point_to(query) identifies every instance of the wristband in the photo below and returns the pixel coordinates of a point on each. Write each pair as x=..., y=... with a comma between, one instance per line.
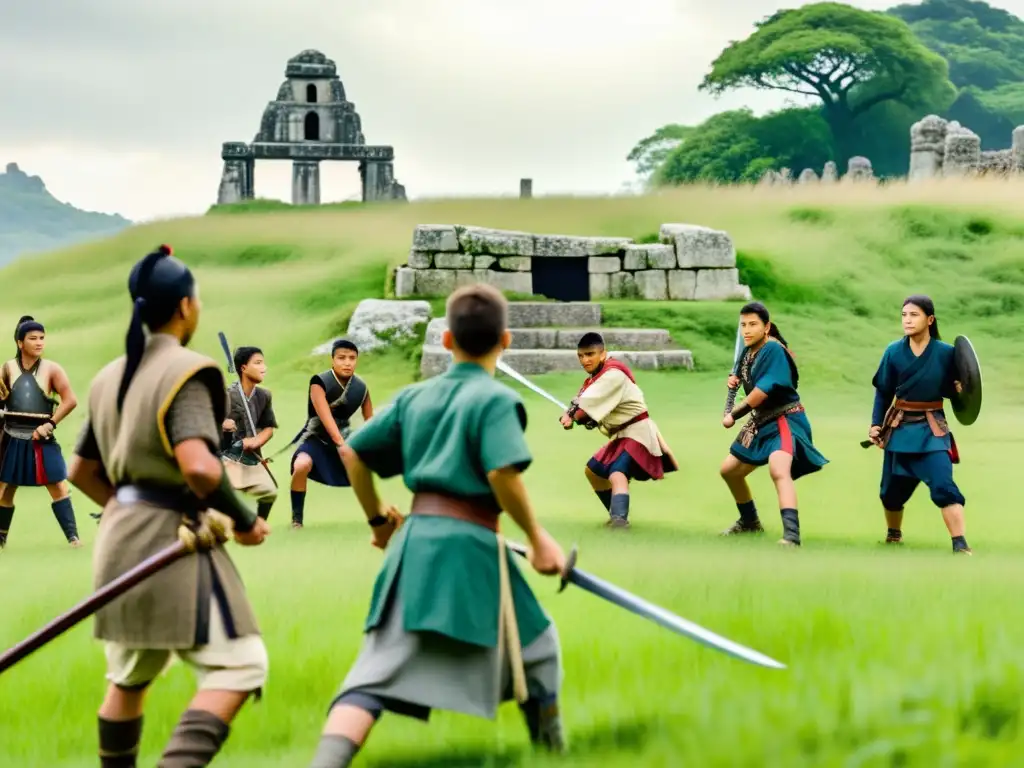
x=225, y=499
x=377, y=521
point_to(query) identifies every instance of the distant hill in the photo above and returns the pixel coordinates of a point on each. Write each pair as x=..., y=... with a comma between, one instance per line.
x=33, y=220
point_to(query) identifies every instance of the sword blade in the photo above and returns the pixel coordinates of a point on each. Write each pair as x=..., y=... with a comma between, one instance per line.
x=504, y=368
x=620, y=597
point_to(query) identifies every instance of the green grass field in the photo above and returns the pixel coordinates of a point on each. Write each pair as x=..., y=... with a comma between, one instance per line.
x=896, y=658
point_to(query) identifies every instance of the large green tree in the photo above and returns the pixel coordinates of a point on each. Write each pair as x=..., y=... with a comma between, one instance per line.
x=736, y=146
x=650, y=152
x=849, y=59
x=985, y=50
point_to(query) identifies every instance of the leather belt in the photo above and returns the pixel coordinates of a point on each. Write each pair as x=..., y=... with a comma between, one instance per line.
x=456, y=507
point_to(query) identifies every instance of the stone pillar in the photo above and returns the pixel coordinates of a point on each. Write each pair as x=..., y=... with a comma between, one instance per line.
x=368, y=169
x=306, y=182
x=963, y=151
x=807, y=176
x=859, y=169
x=830, y=173
x=1018, y=149
x=526, y=188
x=927, y=148
x=236, y=178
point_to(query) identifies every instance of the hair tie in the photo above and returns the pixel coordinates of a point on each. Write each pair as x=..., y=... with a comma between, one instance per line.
x=166, y=250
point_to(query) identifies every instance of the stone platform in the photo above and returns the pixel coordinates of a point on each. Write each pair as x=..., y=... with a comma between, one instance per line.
x=545, y=335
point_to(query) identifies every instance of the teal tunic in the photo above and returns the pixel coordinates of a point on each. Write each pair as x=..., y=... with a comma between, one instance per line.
x=778, y=424
x=443, y=436
x=913, y=453
x=926, y=378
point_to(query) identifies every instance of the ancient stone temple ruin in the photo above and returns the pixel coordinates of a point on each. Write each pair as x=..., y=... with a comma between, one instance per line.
x=310, y=121
x=942, y=148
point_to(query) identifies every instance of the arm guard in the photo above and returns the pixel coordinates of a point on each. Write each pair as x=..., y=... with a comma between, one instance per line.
x=574, y=408
x=227, y=500
x=743, y=410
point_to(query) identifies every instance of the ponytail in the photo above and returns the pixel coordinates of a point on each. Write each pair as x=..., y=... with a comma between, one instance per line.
x=26, y=325
x=154, y=304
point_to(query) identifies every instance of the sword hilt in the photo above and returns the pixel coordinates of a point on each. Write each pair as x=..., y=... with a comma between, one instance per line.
x=570, y=564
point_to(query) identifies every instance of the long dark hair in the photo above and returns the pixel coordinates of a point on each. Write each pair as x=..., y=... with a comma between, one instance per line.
x=26, y=325
x=157, y=285
x=926, y=305
x=759, y=309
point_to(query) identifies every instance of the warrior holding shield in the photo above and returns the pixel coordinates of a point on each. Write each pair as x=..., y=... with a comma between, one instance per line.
x=908, y=421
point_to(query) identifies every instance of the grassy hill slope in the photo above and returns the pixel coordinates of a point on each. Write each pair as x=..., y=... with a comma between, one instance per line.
x=833, y=265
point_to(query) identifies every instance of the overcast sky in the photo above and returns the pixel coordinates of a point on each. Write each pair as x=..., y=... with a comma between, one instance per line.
x=122, y=105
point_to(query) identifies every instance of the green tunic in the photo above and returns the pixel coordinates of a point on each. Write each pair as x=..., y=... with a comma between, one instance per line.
x=443, y=436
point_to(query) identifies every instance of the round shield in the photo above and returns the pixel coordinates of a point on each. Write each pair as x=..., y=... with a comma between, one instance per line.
x=967, y=404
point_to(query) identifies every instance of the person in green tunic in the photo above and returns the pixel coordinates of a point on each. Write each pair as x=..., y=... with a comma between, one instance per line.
x=778, y=433
x=452, y=624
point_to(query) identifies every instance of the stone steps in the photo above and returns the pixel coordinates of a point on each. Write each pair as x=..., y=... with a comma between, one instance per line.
x=532, y=362
x=545, y=335
x=568, y=338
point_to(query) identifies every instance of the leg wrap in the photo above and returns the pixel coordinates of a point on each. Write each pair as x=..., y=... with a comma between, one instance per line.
x=544, y=723
x=119, y=742
x=263, y=509
x=298, y=506
x=791, y=526
x=748, y=512
x=196, y=740
x=6, y=517
x=606, y=499
x=334, y=752
x=619, y=506
x=65, y=514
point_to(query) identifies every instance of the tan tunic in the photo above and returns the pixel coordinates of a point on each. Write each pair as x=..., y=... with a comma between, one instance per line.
x=612, y=400
x=170, y=609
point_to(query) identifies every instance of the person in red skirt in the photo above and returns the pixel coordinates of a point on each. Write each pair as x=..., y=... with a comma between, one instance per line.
x=611, y=402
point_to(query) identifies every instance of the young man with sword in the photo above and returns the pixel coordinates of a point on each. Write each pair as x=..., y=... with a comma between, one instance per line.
x=249, y=425
x=29, y=453
x=148, y=456
x=611, y=401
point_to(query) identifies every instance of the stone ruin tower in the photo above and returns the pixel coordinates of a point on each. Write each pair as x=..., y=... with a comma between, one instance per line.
x=309, y=122
x=942, y=148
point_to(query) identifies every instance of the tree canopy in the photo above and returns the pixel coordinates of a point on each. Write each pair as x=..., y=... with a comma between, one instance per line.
x=851, y=60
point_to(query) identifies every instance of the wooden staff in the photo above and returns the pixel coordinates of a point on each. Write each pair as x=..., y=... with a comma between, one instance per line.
x=214, y=530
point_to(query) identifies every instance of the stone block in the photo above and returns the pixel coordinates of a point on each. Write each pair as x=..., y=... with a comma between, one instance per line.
x=435, y=282
x=661, y=257
x=466, y=277
x=719, y=285
x=623, y=285
x=496, y=242
x=600, y=285
x=682, y=284
x=535, y=338
x=567, y=245
x=435, y=238
x=515, y=263
x=421, y=259
x=635, y=257
x=376, y=317
x=604, y=264
x=549, y=314
x=435, y=328
x=453, y=261
x=483, y=262
x=405, y=282
x=698, y=247
x=652, y=284
x=513, y=282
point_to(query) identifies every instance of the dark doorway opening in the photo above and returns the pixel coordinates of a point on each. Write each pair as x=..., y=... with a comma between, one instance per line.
x=312, y=127
x=311, y=93
x=563, y=278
